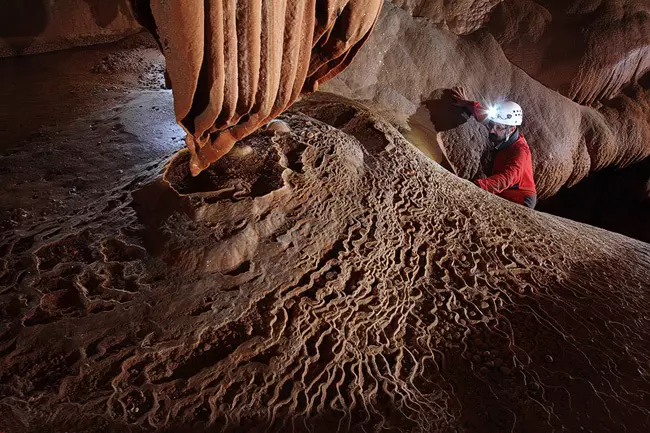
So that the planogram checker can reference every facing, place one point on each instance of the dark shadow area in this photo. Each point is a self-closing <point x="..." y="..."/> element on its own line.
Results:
<point x="143" y="14"/>
<point x="442" y="113"/>
<point x="156" y="195"/>
<point x="50" y="89"/>
<point x="613" y="199"/>
<point x="645" y="81"/>
<point x="23" y="18"/>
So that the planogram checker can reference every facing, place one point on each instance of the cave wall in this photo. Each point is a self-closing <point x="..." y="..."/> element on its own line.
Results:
<point x="608" y="46"/>
<point x="410" y="61"/>
<point x="36" y="26"/>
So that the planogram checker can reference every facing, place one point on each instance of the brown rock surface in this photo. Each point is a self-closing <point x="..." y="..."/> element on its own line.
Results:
<point x="409" y="62"/>
<point x="36" y="26"/>
<point x="587" y="50"/>
<point x="331" y="277"/>
<point x="460" y="17"/>
<point x="235" y="66"/>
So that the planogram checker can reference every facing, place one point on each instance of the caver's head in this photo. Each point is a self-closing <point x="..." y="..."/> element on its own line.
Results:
<point x="498" y="132"/>
<point x="503" y="120"/>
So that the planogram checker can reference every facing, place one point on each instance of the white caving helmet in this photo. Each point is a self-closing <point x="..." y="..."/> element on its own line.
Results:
<point x="507" y="113"/>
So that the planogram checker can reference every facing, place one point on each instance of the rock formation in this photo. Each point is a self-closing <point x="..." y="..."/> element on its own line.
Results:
<point x="235" y="66"/>
<point x="608" y="47"/>
<point x="330" y="277"/>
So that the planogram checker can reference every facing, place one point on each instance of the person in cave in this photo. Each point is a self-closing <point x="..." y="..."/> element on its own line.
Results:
<point x="512" y="172"/>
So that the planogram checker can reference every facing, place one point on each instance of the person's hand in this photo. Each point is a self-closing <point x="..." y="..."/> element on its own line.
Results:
<point x="459" y="94"/>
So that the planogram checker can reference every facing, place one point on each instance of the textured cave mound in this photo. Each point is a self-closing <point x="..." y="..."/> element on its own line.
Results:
<point x="37" y="26"/>
<point x="367" y="287"/>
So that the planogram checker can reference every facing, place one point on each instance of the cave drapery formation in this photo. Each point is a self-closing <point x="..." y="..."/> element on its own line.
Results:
<point x="234" y="66"/>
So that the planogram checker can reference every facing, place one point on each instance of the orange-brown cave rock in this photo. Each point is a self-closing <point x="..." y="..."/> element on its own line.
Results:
<point x="236" y="65"/>
<point x="587" y="50"/>
<point x="37" y="26"/>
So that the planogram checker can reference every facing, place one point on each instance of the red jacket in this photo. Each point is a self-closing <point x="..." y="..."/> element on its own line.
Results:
<point x="512" y="176"/>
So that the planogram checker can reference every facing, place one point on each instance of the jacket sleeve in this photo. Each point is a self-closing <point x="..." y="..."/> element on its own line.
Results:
<point x="507" y="177"/>
<point x="478" y="111"/>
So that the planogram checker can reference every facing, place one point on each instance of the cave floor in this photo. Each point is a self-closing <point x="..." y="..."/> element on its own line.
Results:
<point x="74" y="122"/>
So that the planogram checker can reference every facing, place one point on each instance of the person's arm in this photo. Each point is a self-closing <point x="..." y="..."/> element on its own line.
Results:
<point x="478" y="111"/>
<point x="506" y="178"/>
